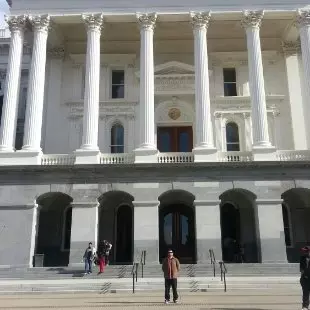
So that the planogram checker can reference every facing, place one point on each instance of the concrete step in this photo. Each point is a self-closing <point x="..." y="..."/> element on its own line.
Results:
<point x="150" y="284"/>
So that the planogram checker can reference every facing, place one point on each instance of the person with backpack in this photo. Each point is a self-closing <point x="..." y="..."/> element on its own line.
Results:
<point x="101" y="257"/>
<point x="305" y="276"/>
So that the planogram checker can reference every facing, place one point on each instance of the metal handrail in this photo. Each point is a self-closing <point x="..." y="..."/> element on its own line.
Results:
<point x="213" y="260"/>
<point x="142" y="262"/>
<point x="134" y="272"/>
<point x="223" y="274"/>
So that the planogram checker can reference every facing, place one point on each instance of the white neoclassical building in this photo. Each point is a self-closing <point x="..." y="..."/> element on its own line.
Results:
<point x="181" y="126"/>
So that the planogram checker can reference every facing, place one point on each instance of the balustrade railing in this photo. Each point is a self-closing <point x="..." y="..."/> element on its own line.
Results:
<point x="234" y="156"/>
<point x="175" y="158"/>
<point x="124" y="158"/>
<point x="301" y="155"/>
<point x="57" y="159"/>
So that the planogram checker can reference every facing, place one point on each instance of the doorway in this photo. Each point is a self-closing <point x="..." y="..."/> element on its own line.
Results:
<point x="124" y="235"/>
<point x="175" y="139"/>
<point x="177" y="232"/>
<point x="230" y="227"/>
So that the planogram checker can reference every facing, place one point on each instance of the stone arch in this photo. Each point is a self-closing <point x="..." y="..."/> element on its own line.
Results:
<point x="177" y="225"/>
<point x="296" y="227"/>
<point x="238" y="226"/>
<point x="116" y="224"/>
<point x="49" y="236"/>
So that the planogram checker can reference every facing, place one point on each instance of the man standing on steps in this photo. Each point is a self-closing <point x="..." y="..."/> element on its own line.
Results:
<point x="171" y="268"/>
<point x="305" y="276"/>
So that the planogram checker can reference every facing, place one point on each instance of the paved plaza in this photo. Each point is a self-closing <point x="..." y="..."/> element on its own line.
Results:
<point x="234" y="300"/>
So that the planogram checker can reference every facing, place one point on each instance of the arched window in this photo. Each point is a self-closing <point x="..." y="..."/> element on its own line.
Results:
<point x="286" y="225"/>
<point x="232" y="137"/>
<point x="117" y="139"/>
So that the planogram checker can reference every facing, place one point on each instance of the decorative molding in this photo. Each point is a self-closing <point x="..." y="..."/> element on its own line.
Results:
<point x="302" y="18"/>
<point x="252" y="19"/>
<point x="147" y="21"/>
<point x="2" y="74"/>
<point x="291" y="47"/>
<point x="93" y="22"/>
<point x="40" y="22"/>
<point x="16" y="23"/>
<point x="200" y="20"/>
<point x="106" y="109"/>
<point x="56" y="53"/>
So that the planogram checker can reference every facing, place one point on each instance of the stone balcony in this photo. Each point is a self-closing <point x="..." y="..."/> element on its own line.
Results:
<point x="175" y="158"/>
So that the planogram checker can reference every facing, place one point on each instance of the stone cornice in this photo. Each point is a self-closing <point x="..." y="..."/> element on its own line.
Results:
<point x="252" y="19"/>
<point x="200" y="20"/>
<point x="147" y="21"/>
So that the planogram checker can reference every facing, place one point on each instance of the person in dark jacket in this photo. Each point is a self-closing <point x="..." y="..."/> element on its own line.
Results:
<point x="171" y="268"/>
<point x="304" y="267"/>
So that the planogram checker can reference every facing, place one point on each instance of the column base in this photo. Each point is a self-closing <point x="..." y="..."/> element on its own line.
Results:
<point x="20" y="158"/>
<point x="6" y="149"/>
<point x="86" y="157"/>
<point x="202" y="155"/>
<point x="264" y="153"/>
<point x="145" y="156"/>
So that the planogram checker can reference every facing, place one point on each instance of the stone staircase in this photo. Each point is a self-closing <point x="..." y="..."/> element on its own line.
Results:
<point x="118" y="279"/>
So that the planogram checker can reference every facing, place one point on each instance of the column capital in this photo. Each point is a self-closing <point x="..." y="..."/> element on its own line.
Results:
<point x="302" y="18"/>
<point x="40" y="22"/>
<point x="16" y="23"/>
<point x="200" y="20"/>
<point x="56" y="53"/>
<point x="147" y="21"/>
<point x="291" y="47"/>
<point x="93" y="22"/>
<point x="252" y="19"/>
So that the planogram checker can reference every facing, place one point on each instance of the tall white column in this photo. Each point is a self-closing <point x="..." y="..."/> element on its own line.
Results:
<point x="204" y="131"/>
<point x="92" y="83"/>
<point x="35" y="98"/>
<point x="147" y="149"/>
<point x="11" y="89"/>
<point x="303" y="23"/>
<point x="251" y="22"/>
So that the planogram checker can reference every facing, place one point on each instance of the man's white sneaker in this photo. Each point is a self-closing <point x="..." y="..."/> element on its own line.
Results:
<point x="166" y="302"/>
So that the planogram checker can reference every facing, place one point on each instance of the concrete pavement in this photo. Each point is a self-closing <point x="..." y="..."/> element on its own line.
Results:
<point x="237" y="300"/>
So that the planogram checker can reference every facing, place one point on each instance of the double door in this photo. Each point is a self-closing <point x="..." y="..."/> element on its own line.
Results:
<point x="175" y="139"/>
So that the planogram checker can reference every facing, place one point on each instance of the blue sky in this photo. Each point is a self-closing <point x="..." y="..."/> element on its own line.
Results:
<point x="4" y="9"/>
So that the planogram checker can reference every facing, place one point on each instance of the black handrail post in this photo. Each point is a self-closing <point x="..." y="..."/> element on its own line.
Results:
<point x="133" y="282"/>
<point x="221" y="266"/>
<point x="144" y="256"/>
<point x="142" y="270"/>
<point x="137" y="265"/>
<point x="225" y="288"/>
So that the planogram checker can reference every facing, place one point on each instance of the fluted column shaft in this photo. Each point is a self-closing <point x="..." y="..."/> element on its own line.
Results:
<point x="92" y="83"/>
<point x="204" y="130"/>
<point x="251" y="22"/>
<point x="147" y="117"/>
<point x="11" y="90"/>
<point x="35" y="98"/>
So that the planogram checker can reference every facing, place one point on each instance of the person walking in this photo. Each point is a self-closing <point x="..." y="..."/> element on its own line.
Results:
<point x="171" y="268"/>
<point x="107" y="249"/>
<point x="88" y="257"/>
<point x="304" y="267"/>
<point x="100" y="257"/>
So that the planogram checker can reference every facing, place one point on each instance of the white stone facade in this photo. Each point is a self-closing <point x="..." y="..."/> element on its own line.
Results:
<point x="74" y="112"/>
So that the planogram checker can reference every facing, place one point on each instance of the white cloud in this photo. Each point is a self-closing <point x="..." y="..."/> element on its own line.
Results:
<point x="4" y="9"/>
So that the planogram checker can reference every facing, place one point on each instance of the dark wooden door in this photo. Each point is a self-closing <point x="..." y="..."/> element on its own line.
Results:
<point x="175" y="139"/>
<point x="177" y="232"/>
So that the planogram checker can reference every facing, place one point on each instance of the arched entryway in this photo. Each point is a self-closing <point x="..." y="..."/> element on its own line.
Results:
<point x="238" y="227"/>
<point x="116" y="225"/>
<point x="177" y="225"/>
<point x="296" y="215"/>
<point x="53" y="229"/>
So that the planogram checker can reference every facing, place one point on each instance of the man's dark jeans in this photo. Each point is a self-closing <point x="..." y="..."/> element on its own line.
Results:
<point x="88" y="265"/>
<point x="171" y="283"/>
<point x="305" y="284"/>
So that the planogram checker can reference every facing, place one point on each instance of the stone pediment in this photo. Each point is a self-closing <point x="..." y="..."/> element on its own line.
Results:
<point x="173" y="68"/>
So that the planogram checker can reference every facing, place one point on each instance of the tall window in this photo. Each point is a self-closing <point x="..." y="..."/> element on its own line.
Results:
<point x="286" y="224"/>
<point x="118" y="84"/>
<point x="1" y="106"/>
<point x="232" y="137"/>
<point x="21" y="119"/>
<point x="230" y="82"/>
<point x="117" y="139"/>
